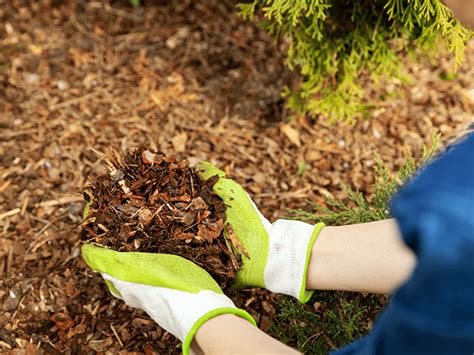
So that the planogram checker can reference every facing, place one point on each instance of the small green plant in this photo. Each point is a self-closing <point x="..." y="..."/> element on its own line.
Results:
<point x="134" y="3"/>
<point x="302" y="167"/>
<point x="367" y="209"/>
<point x="334" y="42"/>
<point x="341" y="318"/>
<point x="295" y="324"/>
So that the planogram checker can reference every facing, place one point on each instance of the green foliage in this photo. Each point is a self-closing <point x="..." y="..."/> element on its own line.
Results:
<point x="360" y="208"/>
<point x="302" y="167"/>
<point x="134" y="3"/>
<point x="333" y="42"/>
<point x="294" y="323"/>
<point x="448" y="76"/>
<point x="341" y="318"/>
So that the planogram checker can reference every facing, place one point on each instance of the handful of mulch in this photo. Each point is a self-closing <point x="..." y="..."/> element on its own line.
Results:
<point x="149" y="202"/>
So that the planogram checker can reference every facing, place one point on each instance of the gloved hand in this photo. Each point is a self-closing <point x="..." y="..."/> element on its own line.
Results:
<point x="278" y="253"/>
<point x="176" y="293"/>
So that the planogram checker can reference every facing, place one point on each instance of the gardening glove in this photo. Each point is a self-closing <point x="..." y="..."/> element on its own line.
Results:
<point x="176" y="293"/>
<point x="277" y="253"/>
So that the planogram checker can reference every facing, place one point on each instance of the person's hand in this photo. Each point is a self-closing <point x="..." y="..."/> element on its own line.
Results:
<point x="277" y="254"/>
<point x="176" y="293"/>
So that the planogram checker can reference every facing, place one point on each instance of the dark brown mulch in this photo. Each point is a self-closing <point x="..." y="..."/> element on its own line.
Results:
<point x="191" y="79"/>
<point x="150" y="202"/>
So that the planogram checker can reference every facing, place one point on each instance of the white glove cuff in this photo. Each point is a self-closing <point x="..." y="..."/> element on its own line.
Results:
<point x="289" y="252"/>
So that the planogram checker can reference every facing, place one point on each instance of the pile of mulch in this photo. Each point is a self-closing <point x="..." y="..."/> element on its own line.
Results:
<point x="150" y="202"/>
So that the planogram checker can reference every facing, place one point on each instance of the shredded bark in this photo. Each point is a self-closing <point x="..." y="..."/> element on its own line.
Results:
<point x="200" y="83"/>
<point x="150" y="202"/>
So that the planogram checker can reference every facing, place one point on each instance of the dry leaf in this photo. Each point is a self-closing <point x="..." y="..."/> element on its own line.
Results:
<point x="292" y="134"/>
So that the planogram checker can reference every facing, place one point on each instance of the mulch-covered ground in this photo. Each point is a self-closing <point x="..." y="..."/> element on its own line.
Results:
<point x="188" y="78"/>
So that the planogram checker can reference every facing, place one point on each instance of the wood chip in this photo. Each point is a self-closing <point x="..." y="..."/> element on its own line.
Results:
<point x="179" y="142"/>
<point x="10" y="213"/>
<point x="292" y="134"/>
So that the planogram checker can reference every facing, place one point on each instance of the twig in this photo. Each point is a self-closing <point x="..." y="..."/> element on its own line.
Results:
<point x="311" y="338"/>
<point x="377" y="25"/>
<point x="73" y="101"/>
<point x="25" y="205"/>
<point x="116" y="335"/>
<point x="4" y="344"/>
<point x="10" y="213"/>
<point x="60" y="201"/>
<point x="17" y="133"/>
<point x="229" y="233"/>
<point x="121" y="13"/>
<point x="233" y="259"/>
<point x="44" y="241"/>
<point x="41" y="231"/>
<point x="19" y="304"/>
<point x="4" y="186"/>
<point x="192" y="184"/>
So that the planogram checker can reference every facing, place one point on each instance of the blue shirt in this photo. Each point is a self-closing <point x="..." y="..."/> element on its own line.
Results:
<point x="433" y="312"/>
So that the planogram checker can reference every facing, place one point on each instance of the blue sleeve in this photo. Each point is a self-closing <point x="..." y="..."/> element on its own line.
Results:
<point x="433" y="312"/>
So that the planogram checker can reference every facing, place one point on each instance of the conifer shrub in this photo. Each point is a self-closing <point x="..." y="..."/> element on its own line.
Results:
<point x="359" y="208"/>
<point x="332" y="43"/>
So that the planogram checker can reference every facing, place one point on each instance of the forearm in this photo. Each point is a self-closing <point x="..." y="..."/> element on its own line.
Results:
<point x="367" y="257"/>
<point x="230" y="334"/>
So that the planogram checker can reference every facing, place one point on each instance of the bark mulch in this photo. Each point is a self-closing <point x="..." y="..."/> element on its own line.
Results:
<point x="150" y="202"/>
<point x="189" y="79"/>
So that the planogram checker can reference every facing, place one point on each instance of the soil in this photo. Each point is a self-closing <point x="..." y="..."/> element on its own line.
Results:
<point x="191" y="79"/>
<point x="150" y="202"/>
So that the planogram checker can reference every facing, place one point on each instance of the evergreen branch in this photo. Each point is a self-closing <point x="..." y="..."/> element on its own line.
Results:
<point x="359" y="208"/>
<point x="334" y="42"/>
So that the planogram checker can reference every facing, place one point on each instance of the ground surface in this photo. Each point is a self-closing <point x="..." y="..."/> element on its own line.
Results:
<point x="191" y="79"/>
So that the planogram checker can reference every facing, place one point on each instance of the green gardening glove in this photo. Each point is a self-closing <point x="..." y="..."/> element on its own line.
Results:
<point x="176" y="293"/>
<point x="278" y="253"/>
